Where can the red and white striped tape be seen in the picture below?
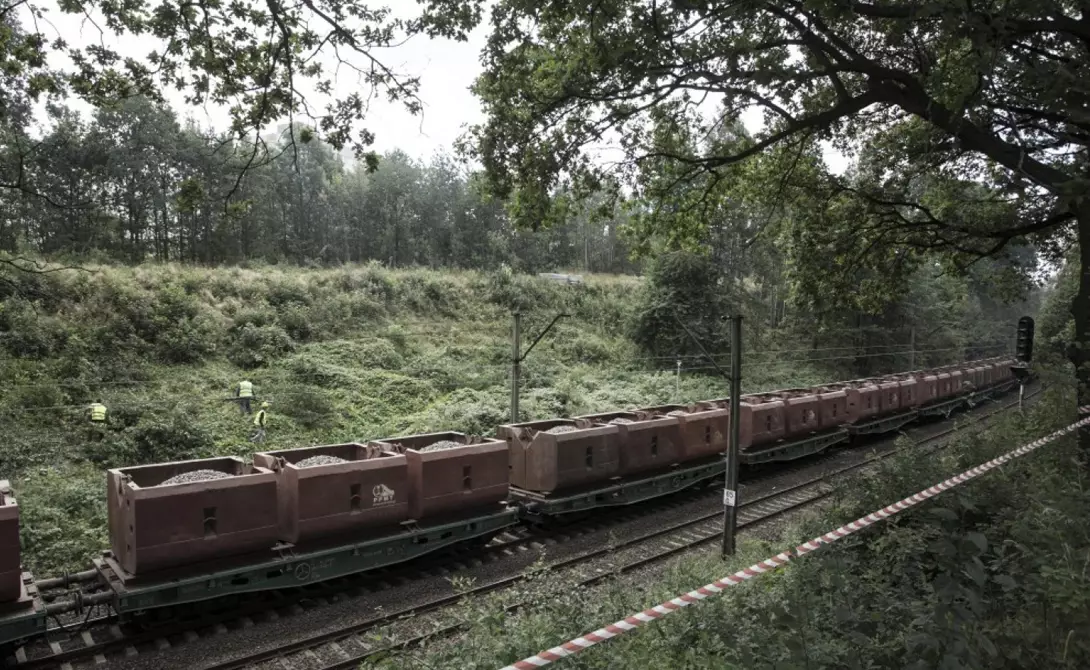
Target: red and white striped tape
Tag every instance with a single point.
(653, 614)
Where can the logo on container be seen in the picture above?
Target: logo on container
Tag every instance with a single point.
(384, 495)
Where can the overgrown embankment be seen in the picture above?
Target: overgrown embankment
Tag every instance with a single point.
(341, 354)
(993, 574)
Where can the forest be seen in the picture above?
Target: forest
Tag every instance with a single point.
(872, 186)
(134, 184)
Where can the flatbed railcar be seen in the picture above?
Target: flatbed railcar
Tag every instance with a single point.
(340, 519)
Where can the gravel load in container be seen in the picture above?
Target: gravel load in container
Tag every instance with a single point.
(556, 430)
(677, 412)
(442, 445)
(621, 421)
(332, 490)
(319, 460)
(195, 476)
(175, 515)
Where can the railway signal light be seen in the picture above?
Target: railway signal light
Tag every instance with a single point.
(1023, 349)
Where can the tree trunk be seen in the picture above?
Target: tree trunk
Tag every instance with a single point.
(1079, 352)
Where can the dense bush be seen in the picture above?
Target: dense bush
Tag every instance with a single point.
(171, 435)
(255, 346)
(25, 331)
(1055, 326)
(464, 410)
(310, 407)
(63, 516)
(188, 340)
(685, 286)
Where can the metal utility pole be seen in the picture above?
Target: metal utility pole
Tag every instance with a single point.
(677, 382)
(730, 493)
(912, 349)
(517, 357)
(516, 364)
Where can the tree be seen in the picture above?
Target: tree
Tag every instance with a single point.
(258, 59)
(969, 122)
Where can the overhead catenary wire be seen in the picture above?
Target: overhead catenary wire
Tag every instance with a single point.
(775, 351)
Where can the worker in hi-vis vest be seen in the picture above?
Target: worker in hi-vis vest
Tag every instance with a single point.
(97, 412)
(245, 393)
(260, 419)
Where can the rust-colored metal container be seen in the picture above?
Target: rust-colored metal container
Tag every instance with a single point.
(155, 526)
(989, 373)
(928, 385)
(705, 426)
(870, 398)
(912, 391)
(455, 481)
(958, 379)
(767, 418)
(890, 394)
(646, 440)
(846, 411)
(802, 411)
(834, 408)
(11, 576)
(369, 491)
(544, 462)
(982, 371)
(944, 384)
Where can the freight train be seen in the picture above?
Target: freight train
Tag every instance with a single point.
(199, 530)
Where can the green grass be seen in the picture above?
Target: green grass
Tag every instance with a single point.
(343, 354)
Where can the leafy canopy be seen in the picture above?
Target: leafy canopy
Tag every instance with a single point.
(967, 122)
(258, 59)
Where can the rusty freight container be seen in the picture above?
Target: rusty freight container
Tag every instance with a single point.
(11, 576)
(555, 454)
(958, 379)
(870, 398)
(452, 474)
(889, 395)
(645, 440)
(846, 411)
(945, 388)
(927, 385)
(337, 490)
(767, 418)
(704, 427)
(801, 410)
(834, 407)
(156, 525)
(978, 375)
(989, 373)
(912, 390)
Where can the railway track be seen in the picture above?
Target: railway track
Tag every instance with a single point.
(344, 648)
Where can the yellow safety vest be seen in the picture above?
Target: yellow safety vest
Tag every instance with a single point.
(98, 412)
(245, 390)
(259, 419)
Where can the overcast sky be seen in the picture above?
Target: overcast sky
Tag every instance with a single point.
(446, 69)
